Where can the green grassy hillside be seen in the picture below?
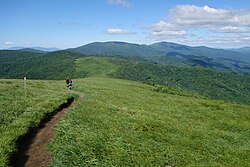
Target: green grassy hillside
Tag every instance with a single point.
(125, 123)
(95, 66)
(22, 108)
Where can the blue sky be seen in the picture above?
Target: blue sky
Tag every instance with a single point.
(72, 23)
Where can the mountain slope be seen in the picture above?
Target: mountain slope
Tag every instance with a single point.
(157, 49)
(35, 48)
(199, 51)
(125, 123)
(205, 82)
(95, 66)
(219, 64)
(244, 50)
(175, 54)
(115, 48)
(53, 65)
(31, 50)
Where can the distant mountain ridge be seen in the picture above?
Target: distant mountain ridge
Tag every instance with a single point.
(236, 61)
(244, 50)
(168, 53)
(32, 50)
(116, 48)
(157, 49)
(43, 49)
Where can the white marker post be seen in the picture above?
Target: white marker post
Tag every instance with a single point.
(25, 92)
(25, 84)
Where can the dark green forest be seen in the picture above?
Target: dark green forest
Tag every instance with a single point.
(210, 83)
(54, 65)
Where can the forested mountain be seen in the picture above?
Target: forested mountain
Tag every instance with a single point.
(244, 50)
(157, 49)
(166, 47)
(32, 50)
(173, 54)
(53, 65)
(203, 81)
(232, 61)
(116, 48)
(43, 49)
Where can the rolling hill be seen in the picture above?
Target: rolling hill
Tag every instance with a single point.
(167, 53)
(205, 82)
(157, 49)
(31, 50)
(126, 123)
(166, 47)
(115, 49)
(43, 49)
(52, 65)
(244, 50)
(173, 54)
(68, 64)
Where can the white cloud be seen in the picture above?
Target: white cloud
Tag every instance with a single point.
(189, 22)
(232, 29)
(112, 31)
(163, 25)
(123, 3)
(168, 34)
(192, 16)
(224, 41)
(9, 43)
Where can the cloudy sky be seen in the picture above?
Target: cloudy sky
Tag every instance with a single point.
(72, 23)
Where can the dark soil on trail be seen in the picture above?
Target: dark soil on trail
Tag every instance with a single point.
(31, 147)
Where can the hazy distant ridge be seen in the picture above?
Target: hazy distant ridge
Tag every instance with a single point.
(159, 49)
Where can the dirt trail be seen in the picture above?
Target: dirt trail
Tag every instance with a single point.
(32, 146)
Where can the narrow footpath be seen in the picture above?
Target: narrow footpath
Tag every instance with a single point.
(32, 146)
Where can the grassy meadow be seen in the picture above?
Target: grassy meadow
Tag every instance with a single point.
(126, 123)
(23, 105)
(95, 66)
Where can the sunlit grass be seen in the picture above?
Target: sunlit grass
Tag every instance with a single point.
(95, 66)
(125, 123)
(23, 105)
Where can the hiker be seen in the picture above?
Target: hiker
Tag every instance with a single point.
(67, 82)
(70, 83)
